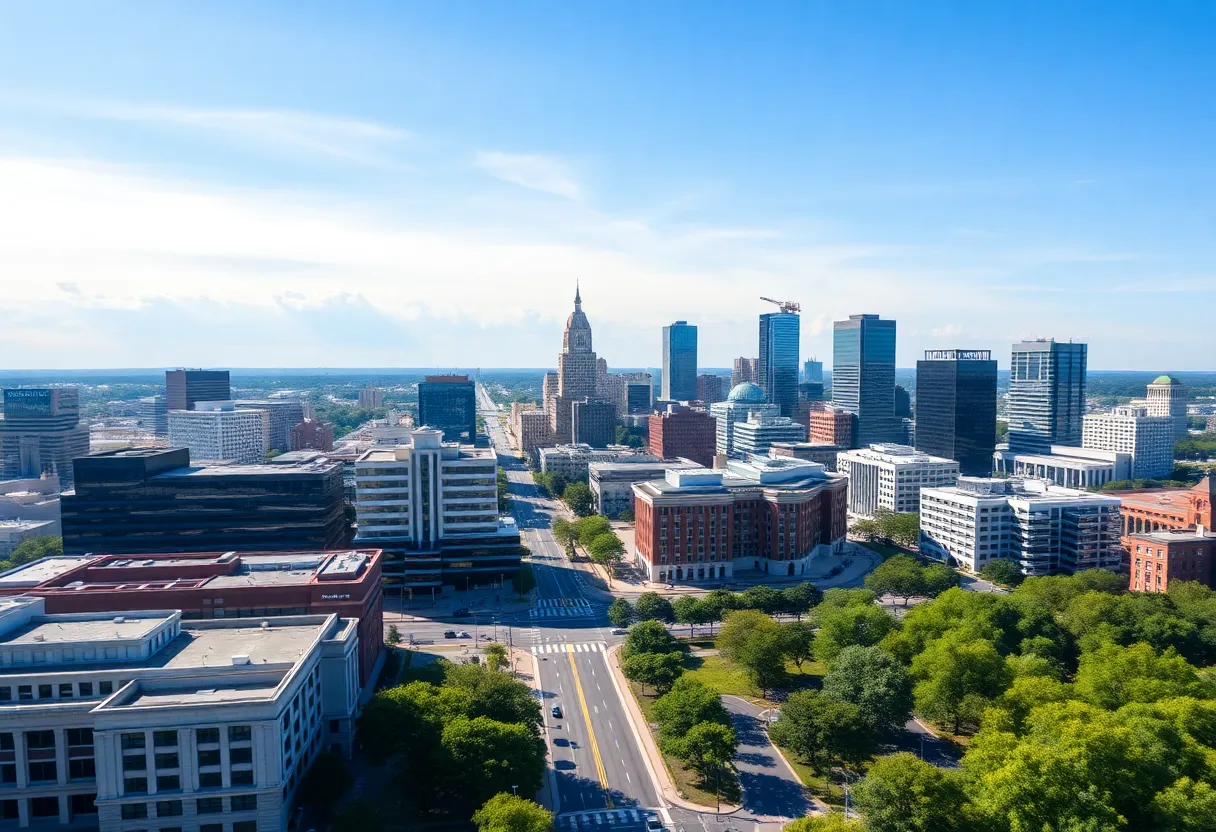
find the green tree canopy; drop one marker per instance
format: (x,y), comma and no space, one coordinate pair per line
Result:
(688,703)
(847,626)
(505,812)
(1112,676)
(651,606)
(799,599)
(649,637)
(823,730)
(871,679)
(899,576)
(486,757)
(496,656)
(27,551)
(796,640)
(588,529)
(691,611)
(756,643)
(939,578)
(659,670)
(763,598)
(620,613)
(706,746)
(1002,572)
(831,822)
(902,793)
(956,677)
(579,497)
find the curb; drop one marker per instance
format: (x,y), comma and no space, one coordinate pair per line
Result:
(549,766)
(815,801)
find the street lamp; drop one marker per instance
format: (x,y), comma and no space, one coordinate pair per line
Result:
(515,789)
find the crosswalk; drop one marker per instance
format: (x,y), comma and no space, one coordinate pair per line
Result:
(610,817)
(568,647)
(561,608)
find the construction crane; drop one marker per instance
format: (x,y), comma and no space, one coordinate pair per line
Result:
(785,305)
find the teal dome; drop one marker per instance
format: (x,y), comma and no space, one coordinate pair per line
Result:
(1166,380)
(746,393)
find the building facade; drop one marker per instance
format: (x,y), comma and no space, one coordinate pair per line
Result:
(683,432)
(137,501)
(1042,527)
(812,370)
(863,376)
(711,389)
(768,516)
(777,368)
(577,374)
(41,433)
(832,426)
(1148,440)
(593,422)
(1156,558)
(311,435)
(611,483)
(281,416)
(221,432)
(1046,395)
(744,399)
(1066,466)
(154,415)
(371,398)
(532,432)
(679,362)
(573,461)
(746,371)
(890,477)
(1166,509)
(449,403)
(1167,396)
(185,388)
(825,455)
(956,408)
(756,434)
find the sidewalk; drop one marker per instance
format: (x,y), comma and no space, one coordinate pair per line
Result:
(650,750)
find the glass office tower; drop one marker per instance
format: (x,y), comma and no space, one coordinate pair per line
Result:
(956,408)
(1046,395)
(863,377)
(679,362)
(777,369)
(449,403)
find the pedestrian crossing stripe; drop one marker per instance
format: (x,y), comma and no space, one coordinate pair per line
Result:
(585,820)
(568,647)
(556,602)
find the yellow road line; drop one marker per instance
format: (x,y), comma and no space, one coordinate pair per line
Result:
(595,746)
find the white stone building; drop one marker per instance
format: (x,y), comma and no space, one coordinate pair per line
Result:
(759,432)
(573,461)
(1130,430)
(744,400)
(138,720)
(890,477)
(611,483)
(1167,397)
(1042,527)
(216,431)
(1066,466)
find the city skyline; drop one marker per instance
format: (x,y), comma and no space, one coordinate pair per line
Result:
(425,184)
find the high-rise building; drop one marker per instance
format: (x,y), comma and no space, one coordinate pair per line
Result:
(41,433)
(777,367)
(679,362)
(593,422)
(281,415)
(449,403)
(744,399)
(639,398)
(711,389)
(154,415)
(891,476)
(812,370)
(311,435)
(811,391)
(371,398)
(628,392)
(863,376)
(531,429)
(1130,430)
(220,432)
(683,432)
(832,426)
(433,508)
(150,500)
(576,372)
(903,402)
(956,408)
(755,435)
(1167,397)
(1046,395)
(1042,527)
(746,372)
(183,388)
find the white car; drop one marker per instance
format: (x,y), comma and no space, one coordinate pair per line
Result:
(620,631)
(654,825)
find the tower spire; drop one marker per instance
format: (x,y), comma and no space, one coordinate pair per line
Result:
(578,300)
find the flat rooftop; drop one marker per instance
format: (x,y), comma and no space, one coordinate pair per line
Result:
(32,574)
(319,466)
(46,630)
(198,695)
(1177,536)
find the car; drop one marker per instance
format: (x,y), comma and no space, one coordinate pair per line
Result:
(619,631)
(463,612)
(449,634)
(654,825)
(463,634)
(557,711)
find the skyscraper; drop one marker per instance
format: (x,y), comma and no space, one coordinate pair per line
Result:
(1167,397)
(185,387)
(41,433)
(711,388)
(1046,395)
(778,365)
(812,370)
(863,376)
(679,362)
(744,372)
(576,371)
(956,408)
(449,403)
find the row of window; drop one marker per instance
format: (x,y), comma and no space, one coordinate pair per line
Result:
(48,807)
(203,806)
(238,826)
(65,690)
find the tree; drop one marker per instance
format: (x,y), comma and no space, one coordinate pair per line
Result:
(763,598)
(689,610)
(626,515)
(938,578)
(902,529)
(565,534)
(900,576)
(796,640)
(485,757)
(394,635)
(358,816)
(606,548)
(651,606)
(1186,806)
(798,600)
(1002,572)
(327,780)
(649,637)
(659,670)
(707,746)
(831,822)
(956,678)
(1113,676)
(901,793)
(47,546)
(496,656)
(716,604)
(507,813)
(580,499)
(841,628)
(495,695)
(688,703)
(620,613)
(822,730)
(874,681)
(755,642)
(867,530)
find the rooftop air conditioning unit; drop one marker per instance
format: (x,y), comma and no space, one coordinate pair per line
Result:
(120,619)
(241,659)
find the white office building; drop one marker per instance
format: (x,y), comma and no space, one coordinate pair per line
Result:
(611,483)
(1043,527)
(759,432)
(1130,430)
(220,431)
(744,401)
(139,720)
(573,461)
(1065,465)
(886,476)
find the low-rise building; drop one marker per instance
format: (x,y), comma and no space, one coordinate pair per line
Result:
(890,477)
(1156,558)
(611,483)
(765,516)
(14,532)
(281,416)
(757,434)
(572,461)
(1044,528)
(311,435)
(30,499)
(832,426)
(825,455)
(1166,509)
(683,432)
(1066,466)
(138,720)
(1149,440)
(220,431)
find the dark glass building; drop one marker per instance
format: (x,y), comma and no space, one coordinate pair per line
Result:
(956,408)
(1046,395)
(679,362)
(863,377)
(593,423)
(153,500)
(184,388)
(777,369)
(449,403)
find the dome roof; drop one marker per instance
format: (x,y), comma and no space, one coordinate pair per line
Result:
(746,393)
(1166,380)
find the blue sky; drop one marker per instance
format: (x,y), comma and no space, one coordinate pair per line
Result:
(377,184)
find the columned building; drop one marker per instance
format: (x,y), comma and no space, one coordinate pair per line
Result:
(1167,397)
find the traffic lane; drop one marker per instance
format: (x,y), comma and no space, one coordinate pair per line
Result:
(622,757)
(578,779)
(919,740)
(770,788)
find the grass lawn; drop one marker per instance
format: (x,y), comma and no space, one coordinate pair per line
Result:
(731,680)
(884,549)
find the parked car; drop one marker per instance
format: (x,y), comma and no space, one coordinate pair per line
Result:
(464,634)
(557,711)
(463,612)
(449,634)
(654,825)
(619,631)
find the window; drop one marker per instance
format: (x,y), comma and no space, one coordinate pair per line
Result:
(245,826)
(80,736)
(43,771)
(240,755)
(209,805)
(207,735)
(239,733)
(169,829)
(46,692)
(168,783)
(82,804)
(86,688)
(8,773)
(244,802)
(135,762)
(6,694)
(210,780)
(167,761)
(9,810)
(6,742)
(242,778)
(84,769)
(135,785)
(105,688)
(209,757)
(65,690)
(164,739)
(211,827)
(44,807)
(25,693)
(335,725)
(39,739)
(132,741)
(168,808)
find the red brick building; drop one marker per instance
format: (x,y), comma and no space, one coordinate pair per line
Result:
(683,432)
(1157,558)
(216,585)
(769,515)
(1166,509)
(311,435)
(831,426)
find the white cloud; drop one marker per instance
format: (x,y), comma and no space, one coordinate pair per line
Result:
(547,174)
